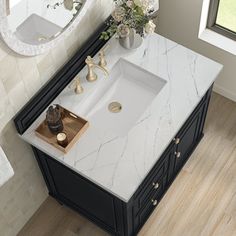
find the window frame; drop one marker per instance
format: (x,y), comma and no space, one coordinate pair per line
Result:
(211,21)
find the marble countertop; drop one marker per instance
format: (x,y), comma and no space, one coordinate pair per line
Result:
(6,171)
(119,164)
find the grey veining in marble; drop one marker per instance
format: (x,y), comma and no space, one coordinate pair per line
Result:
(120,163)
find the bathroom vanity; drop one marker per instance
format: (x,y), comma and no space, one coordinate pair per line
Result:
(119,170)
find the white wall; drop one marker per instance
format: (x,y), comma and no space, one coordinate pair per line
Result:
(179,20)
(20,78)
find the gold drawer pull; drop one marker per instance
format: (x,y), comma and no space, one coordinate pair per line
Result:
(156,185)
(178,154)
(176,140)
(154,202)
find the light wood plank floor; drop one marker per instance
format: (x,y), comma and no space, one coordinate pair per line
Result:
(201,201)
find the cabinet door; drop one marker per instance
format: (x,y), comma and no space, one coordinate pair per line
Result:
(189,137)
(79,193)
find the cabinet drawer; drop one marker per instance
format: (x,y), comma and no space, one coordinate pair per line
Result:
(154,182)
(155,187)
(142,214)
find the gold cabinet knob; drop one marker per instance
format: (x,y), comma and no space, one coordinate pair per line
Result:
(154,202)
(176,140)
(156,185)
(178,154)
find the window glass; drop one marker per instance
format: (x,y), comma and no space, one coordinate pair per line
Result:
(226,15)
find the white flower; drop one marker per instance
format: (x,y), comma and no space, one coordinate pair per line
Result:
(150,27)
(129,4)
(118,14)
(144,4)
(123,30)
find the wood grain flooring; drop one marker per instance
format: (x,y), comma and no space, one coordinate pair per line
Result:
(201,201)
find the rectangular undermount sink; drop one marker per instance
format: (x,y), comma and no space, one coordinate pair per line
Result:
(120,100)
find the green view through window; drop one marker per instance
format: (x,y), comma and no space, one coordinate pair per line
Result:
(226,16)
(222,17)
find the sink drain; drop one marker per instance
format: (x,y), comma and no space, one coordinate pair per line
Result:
(114,107)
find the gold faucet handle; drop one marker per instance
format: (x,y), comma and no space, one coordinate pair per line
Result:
(76,85)
(101,56)
(89,60)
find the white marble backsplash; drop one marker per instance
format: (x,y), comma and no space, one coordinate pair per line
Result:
(120,164)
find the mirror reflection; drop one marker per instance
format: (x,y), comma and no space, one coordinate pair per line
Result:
(37,22)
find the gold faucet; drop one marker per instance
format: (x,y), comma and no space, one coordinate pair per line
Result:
(92,76)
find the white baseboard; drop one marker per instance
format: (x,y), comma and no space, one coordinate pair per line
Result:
(224,92)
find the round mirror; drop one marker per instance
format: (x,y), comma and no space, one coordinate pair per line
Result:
(30,27)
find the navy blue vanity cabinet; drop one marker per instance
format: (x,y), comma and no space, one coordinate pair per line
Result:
(106,210)
(92,201)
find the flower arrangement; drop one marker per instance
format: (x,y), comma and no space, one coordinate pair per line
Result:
(128,15)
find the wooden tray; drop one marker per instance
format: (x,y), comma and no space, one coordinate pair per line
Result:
(74,127)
